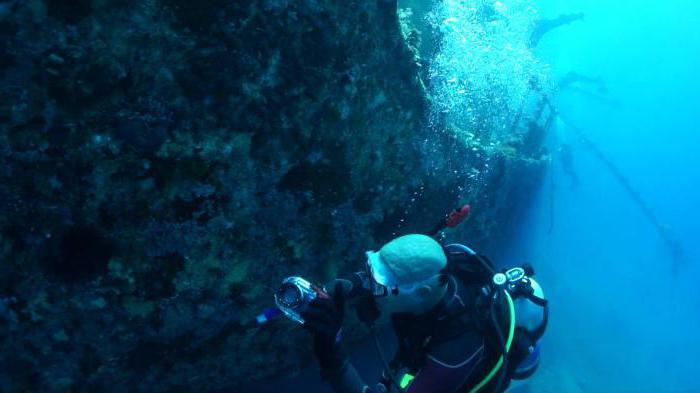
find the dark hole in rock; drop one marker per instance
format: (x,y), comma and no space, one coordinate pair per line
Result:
(328,183)
(186,209)
(23,370)
(25,136)
(72,11)
(157,282)
(237,292)
(323,48)
(165,170)
(364,202)
(89,361)
(146,354)
(106,216)
(197,15)
(62,347)
(155,320)
(152,353)
(139,136)
(6,58)
(82,254)
(58,135)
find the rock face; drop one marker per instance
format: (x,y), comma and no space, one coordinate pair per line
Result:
(166,163)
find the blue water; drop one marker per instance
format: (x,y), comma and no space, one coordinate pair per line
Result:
(621,320)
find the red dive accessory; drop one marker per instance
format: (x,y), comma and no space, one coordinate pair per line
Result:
(454,218)
(457,216)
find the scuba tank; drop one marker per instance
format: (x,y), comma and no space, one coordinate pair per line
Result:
(531,316)
(512,311)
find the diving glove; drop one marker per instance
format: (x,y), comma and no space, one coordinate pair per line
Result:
(324,319)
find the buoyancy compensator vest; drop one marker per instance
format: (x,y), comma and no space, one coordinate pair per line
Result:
(507,308)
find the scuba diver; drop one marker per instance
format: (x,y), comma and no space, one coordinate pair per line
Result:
(544,26)
(561,137)
(566,158)
(462,326)
(574,77)
(598,90)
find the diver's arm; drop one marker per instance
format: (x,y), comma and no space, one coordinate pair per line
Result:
(324,319)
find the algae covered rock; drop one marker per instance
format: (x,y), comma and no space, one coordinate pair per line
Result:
(166,163)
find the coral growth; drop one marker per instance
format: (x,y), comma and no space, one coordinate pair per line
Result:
(166,163)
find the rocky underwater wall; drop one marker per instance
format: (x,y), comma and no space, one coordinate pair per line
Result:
(166,163)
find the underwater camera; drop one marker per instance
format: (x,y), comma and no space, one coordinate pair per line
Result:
(294,295)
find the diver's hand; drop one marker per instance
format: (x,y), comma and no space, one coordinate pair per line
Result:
(323,319)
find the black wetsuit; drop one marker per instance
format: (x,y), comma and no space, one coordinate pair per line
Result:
(444,349)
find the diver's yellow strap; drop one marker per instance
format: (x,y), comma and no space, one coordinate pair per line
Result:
(499,363)
(406,380)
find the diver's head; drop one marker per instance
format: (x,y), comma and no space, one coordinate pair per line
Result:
(405,274)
